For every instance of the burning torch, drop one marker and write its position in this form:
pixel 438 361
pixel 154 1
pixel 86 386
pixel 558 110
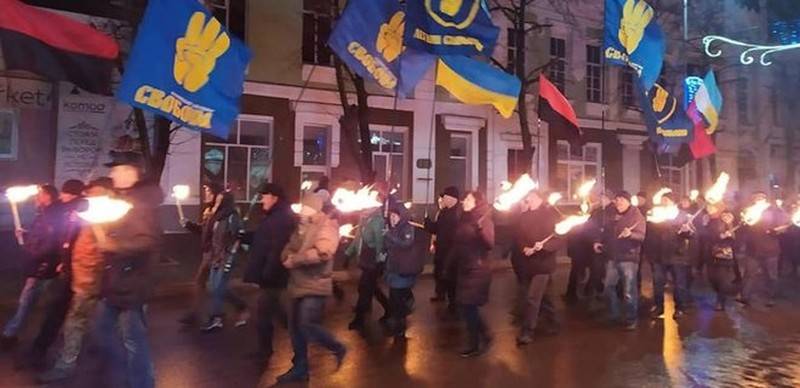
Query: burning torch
pixel 180 193
pixel 104 210
pixel 513 193
pixel 16 195
pixel 561 229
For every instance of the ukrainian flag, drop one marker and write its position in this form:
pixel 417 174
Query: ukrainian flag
pixel 476 83
pixel 709 101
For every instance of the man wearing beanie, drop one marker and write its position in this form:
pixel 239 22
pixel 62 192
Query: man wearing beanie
pixel 309 259
pixel 443 227
pixel 621 241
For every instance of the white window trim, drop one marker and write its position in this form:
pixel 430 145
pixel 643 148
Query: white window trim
pixel 598 163
pixel 14 135
pixel 305 119
pixel 406 149
pixel 473 125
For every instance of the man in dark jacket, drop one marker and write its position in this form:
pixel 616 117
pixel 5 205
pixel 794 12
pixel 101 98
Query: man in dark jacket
pixel 129 251
pixel 621 241
pixel 580 252
pixel 265 268
pixel 674 244
pixel 762 252
pixel 42 251
pixel 444 229
pixel 601 217
pixel 534 260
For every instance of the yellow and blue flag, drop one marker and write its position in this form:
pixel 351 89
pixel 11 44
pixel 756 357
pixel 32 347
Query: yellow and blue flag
pixel 474 82
pixel 450 27
pixel 633 38
pixel 186 66
pixel 666 120
pixel 709 101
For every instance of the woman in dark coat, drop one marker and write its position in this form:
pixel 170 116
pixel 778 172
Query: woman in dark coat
pixel 470 258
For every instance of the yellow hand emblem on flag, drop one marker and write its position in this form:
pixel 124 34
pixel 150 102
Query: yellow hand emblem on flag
pixel 390 37
pixel 450 7
pixel 196 53
pixel 660 99
pixel 636 15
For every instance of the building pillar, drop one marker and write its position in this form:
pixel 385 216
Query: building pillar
pixel 631 161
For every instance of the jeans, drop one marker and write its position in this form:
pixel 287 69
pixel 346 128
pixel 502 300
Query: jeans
pixel 220 292
pixel 597 275
pixel 200 283
pixel 537 298
pixel 58 301
pixel 680 278
pixel 132 327
pixel 399 301
pixel 75 326
pixel 477 331
pixel 270 309
pixel 305 324
pixel 577 272
pixel 368 288
pixel 722 277
pixel 769 267
pixel 624 272
pixel 28 297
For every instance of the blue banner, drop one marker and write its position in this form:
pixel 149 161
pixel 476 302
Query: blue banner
pixel 633 38
pixel 666 120
pixel 450 27
pixel 368 38
pixel 185 66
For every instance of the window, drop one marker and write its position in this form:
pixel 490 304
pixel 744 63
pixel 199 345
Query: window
pixel 675 177
pixel 244 162
pixel 460 155
pixel 8 134
pixel 388 157
pixel 627 87
pixel 746 167
pixel 231 13
pixel 574 169
pixel 594 75
pixel 557 72
pixel 315 146
pixel 517 165
pixel 316 30
pixel 511 53
pixel 743 101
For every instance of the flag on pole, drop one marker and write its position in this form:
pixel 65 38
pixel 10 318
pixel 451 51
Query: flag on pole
pixel 56 47
pixel 702 145
pixel 368 38
pixel 474 82
pixel 634 38
pixel 709 101
pixel 667 123
pixel 556 110
pixel 450 27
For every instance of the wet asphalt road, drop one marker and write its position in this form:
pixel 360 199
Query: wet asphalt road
pixel 752 347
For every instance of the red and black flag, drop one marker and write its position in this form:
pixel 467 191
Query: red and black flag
pixel 555 109
pixel 56 47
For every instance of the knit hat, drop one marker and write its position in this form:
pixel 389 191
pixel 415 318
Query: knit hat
pixel 72 186
pixel 450 191
pixel 623 194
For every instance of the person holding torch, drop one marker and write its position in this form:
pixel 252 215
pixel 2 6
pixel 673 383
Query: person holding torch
pixel 534 259
pixel 674 244
pixel 621 242
pixel 762 251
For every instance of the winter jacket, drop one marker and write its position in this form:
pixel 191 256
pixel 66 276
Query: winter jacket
pixel 760 239
pixel 623 249
pixel 264 267
pixel 368 244
pixel 723 250
pixel 223 237
pixel 87 264
pixel 309 257
pixel 671 243
pixel 71 227
pixel 43 243
pixel 132 247
pixel 402 258
pixel 474 239
pixel 444 228
pixel 532 227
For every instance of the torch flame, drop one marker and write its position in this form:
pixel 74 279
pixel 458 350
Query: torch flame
pixel 635 201
pixel 796 217
pixel 659 214
pixel 659 194
pixel 305 186
pixel 180 192
pixel 553 198
pixel 505 185
pixel 752 215
pixel 348 201
pixel 407 205
pixel 19 194
pixel 103 210
pixel 716 193
pixel 570 222
pixel 586 188
pixel 346 230
pixel 506 200
pixel 297 208
pixel 584 208
pixel 693 195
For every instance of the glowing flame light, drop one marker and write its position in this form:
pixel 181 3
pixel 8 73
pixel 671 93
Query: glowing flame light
pixel 693 195
pixel 553 198
pixel 103 210
pixel 660 194
pixel 716 192
pixel 796 217
pixel 752 215
pixel 661 214
pixel 506 200
pixel 346 230
pixel 505 185
pixel 407 205
pixel 584 208
pixel 180 192
pixel 19 194
pixel 296 208
pixel 635 201
pixel 586 188
pixel 348 201
pixel 570 222
pixel 306 185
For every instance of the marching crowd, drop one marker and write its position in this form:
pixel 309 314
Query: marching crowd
pixel 104 272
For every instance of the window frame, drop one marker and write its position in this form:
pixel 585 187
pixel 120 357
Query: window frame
pixel 569 191
pixel 557 72
pixel 226 7
pixel 628 88
pixel 743 101
pixel 318 43
pixel 667 169
pixel 404 153
pixel 511 50
pixel 14 153
pixel 594 72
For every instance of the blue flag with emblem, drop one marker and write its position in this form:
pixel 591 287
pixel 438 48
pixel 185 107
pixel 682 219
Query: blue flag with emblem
pixel 474 82
pixel 633 38
pixel 667 122
pixel 186 67
pixel 450 27
pixel 368 38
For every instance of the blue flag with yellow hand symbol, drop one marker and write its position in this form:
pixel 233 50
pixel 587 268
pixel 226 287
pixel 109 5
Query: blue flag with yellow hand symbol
pixel 368 38
pixel 185 66
pixel 633 38
pixel 450 27
pixel 667 122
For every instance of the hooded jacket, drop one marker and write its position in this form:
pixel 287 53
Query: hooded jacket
pixel 43 242
pixel 309 257
pixel 267 243
pixel 401 256
pixel 368 243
